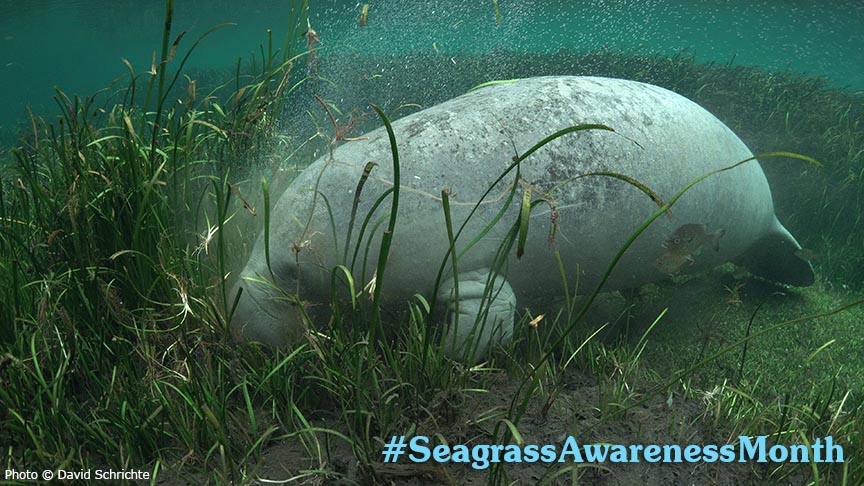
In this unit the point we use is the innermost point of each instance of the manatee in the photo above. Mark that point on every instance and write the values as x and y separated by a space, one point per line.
462 146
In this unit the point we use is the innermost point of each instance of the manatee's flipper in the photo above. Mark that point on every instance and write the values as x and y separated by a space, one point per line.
485 317
773 257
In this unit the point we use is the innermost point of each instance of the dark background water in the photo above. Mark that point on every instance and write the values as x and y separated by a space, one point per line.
79 45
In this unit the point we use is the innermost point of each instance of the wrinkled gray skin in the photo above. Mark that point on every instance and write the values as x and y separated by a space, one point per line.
661 139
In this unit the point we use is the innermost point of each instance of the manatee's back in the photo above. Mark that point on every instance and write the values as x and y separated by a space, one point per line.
463 146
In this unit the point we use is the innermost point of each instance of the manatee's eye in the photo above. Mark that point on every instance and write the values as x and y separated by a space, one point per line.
676 240
286 274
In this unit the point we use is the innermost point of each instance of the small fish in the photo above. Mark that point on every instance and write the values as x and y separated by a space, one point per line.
691 238
686 243
672 262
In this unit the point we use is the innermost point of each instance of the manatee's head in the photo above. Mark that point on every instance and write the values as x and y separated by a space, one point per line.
268 292
267 308
264 315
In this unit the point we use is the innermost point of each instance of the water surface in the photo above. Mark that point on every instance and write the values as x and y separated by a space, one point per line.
79 45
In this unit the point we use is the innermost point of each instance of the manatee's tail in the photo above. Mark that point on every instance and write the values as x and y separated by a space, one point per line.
773 257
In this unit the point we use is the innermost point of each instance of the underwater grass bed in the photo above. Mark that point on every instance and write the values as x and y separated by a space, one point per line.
119 225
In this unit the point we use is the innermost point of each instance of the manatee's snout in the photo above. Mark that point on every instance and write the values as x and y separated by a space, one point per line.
264 314
274 322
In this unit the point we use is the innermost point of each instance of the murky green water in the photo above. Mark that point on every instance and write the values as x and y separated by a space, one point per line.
79 46
112 265
818 38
